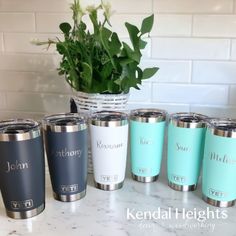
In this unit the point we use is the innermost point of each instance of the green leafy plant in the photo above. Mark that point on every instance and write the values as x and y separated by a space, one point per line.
98 61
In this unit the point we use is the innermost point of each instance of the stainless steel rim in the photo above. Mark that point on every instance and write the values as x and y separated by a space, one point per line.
143 115
78 123
177 120
217 203
32 132
145 179
69 198
109 119
222 127
182 188
26 214
108 187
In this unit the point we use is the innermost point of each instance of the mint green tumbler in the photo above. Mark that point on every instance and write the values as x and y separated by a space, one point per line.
219 163
186 133
147 130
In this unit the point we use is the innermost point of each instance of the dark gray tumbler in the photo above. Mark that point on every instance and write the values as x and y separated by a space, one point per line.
22 170
66 146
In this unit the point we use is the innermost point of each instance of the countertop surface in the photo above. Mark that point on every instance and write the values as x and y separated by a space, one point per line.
136 209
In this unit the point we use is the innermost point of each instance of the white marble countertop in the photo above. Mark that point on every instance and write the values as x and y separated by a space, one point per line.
105 213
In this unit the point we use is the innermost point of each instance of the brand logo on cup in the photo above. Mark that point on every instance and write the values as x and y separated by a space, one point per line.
144 170
109 178
22 204
69 188
178 178
217 193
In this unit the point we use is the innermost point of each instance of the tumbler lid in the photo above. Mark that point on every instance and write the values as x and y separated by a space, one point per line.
19 130
222 127
109 119
148 115
188 120
64 122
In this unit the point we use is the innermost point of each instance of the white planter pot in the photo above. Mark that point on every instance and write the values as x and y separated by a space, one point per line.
88 103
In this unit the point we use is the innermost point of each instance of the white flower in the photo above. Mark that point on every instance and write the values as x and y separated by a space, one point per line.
91 8
107 9
35 41
78 11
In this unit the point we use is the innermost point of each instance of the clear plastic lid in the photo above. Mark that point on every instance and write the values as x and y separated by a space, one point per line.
109 118
64 122
148 115
188 120
19 129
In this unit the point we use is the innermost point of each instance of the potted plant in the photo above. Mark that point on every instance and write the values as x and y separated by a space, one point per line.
99 67
97 61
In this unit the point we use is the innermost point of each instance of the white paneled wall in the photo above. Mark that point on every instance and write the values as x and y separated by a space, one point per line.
193 42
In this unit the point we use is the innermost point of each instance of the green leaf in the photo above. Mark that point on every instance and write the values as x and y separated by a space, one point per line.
115 44
134 55
94 19
142 44
113 87
61 48
140 75
105 35
133 34
128 83
106 70
73 80
125 61
65 28
129 78
98 85
149 72
147 24
83 26
86 75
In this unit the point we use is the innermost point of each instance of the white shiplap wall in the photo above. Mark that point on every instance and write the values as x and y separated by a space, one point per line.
193 42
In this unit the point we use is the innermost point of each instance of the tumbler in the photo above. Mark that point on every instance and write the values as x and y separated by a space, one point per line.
109 138
219 163
147 130
22 170
66 147
186 134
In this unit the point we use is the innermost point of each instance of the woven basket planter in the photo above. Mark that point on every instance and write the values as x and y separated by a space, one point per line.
89 103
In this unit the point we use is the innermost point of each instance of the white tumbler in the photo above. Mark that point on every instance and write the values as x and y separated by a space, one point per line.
109 139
